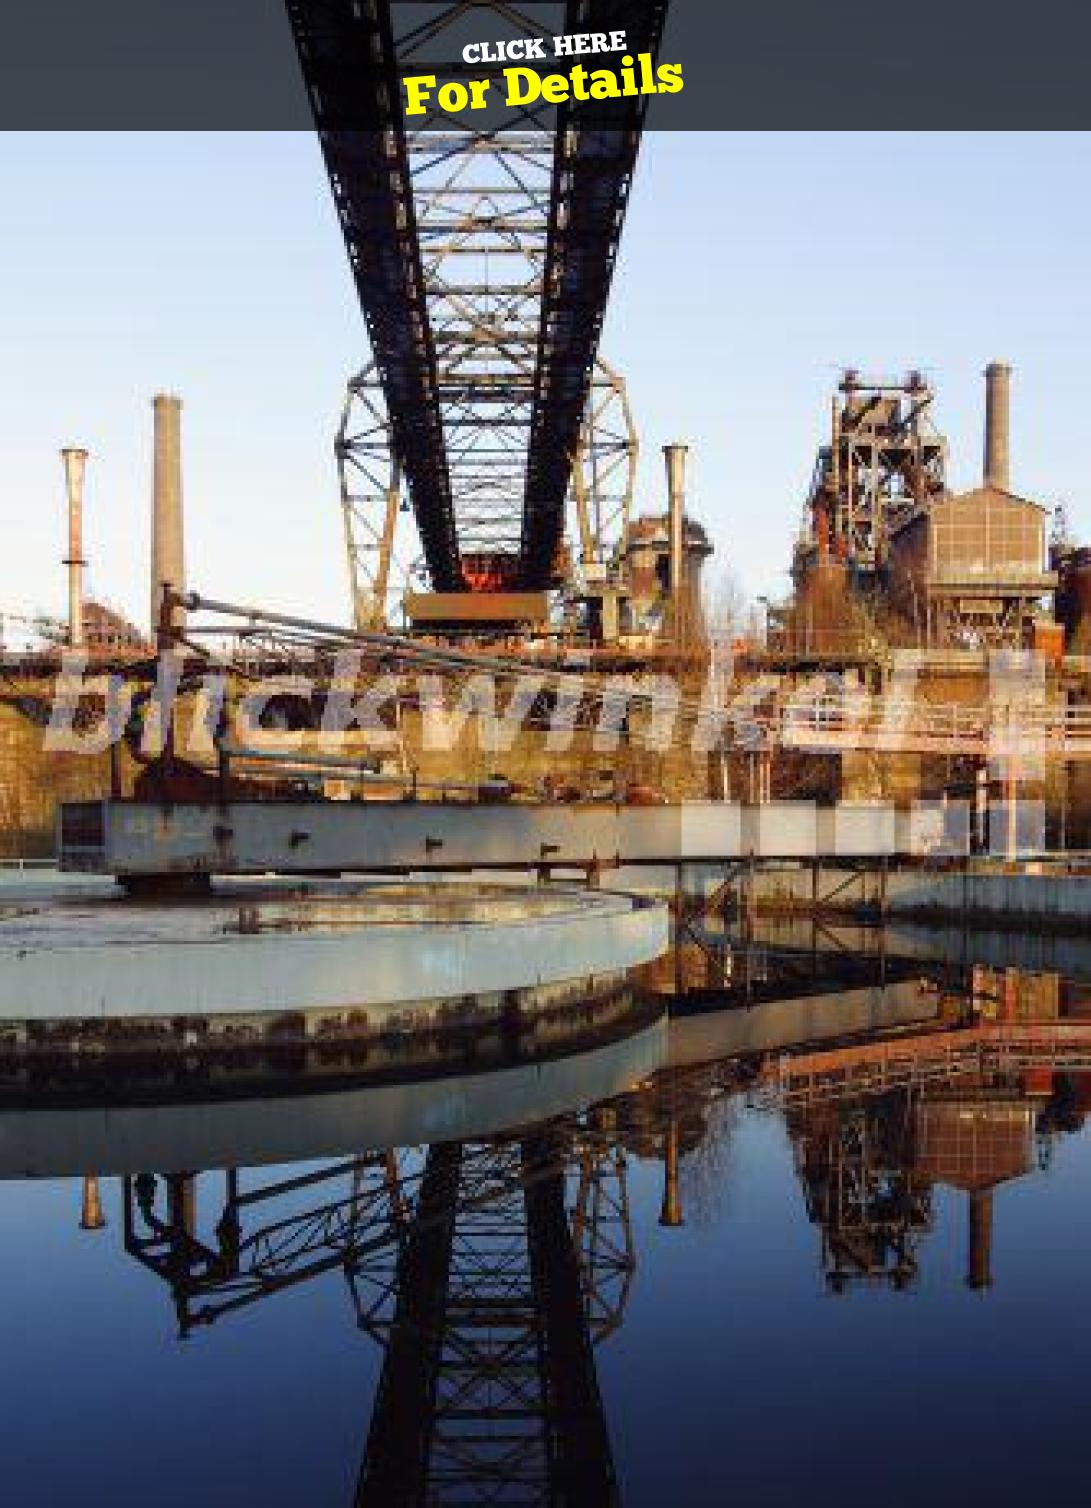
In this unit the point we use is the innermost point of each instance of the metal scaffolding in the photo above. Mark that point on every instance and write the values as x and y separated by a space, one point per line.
374 497
885 459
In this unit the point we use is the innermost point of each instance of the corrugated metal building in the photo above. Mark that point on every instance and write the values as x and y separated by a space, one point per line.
970 568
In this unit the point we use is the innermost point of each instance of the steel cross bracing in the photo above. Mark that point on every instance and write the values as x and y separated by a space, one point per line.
486 1291
482 205
603 477
483 260
885 460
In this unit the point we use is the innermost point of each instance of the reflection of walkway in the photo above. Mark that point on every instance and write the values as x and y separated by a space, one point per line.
485 1285
929 1058
488 1386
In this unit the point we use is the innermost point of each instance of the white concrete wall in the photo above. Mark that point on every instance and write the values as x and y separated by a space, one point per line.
257 837
1063 899
374 968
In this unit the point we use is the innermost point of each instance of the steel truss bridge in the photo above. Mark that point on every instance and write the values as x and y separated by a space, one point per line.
482 257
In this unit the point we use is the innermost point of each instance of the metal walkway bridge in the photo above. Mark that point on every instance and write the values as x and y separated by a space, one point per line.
482 257
998 730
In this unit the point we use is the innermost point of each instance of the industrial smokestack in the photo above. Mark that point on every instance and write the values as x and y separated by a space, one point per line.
998 425
75 465
168 565
675 457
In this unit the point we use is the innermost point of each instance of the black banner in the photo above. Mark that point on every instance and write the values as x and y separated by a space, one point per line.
782 64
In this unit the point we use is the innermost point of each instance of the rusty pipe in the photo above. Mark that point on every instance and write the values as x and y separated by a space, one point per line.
675 457
75 466
168 562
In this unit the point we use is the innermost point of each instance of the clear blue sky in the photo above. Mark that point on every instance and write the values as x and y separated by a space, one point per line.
752 268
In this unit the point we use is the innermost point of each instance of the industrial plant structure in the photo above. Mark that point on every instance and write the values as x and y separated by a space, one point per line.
488 414
883 531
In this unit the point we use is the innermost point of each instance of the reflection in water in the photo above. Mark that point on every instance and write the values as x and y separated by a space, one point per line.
489 1269
485 1290
971 1104
855 1164
488 1383
91 1216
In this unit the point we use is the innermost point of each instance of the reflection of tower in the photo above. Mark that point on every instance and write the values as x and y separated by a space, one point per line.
488 1387
975 1139
855 1161
601 1226
670 1213
979 1274
92 1216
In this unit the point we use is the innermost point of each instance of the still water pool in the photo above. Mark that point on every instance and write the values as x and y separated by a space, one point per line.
808 1241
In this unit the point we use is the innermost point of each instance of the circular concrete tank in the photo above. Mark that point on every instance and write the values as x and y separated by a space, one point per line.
353 961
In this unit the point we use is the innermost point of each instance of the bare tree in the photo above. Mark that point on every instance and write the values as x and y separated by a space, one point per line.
728 612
